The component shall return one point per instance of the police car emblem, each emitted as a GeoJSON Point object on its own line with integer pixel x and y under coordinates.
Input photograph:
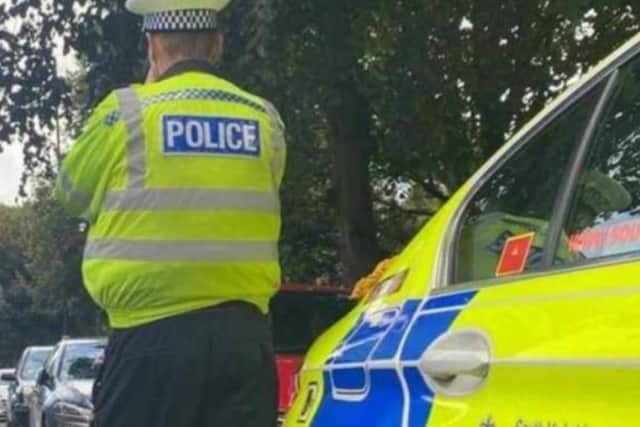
{"type": "Point", "coordinates": [196, 135]}
{"type": "Point", "coordinates": [488, 422]}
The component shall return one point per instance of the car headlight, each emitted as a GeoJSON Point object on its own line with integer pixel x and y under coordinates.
{"type": "Point", "coordinates": [70, 414]}
{"type": "Point", "coordinates": [309, 401]}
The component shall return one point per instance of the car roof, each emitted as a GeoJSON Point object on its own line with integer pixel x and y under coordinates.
{"type": "Point", "coordinates": [83, 340]}
{"type": "Point", "coordinates": [39, 348]}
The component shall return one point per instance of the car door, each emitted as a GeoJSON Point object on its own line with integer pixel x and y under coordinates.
{"type": "Point", "coordinates": [42, 391]}
{"type": "Point", "coordinates": [14, 387]}
{"type": "Point", "coordinates": [537, 307]}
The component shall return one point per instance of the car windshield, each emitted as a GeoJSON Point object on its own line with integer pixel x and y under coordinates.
{"type": "Point", "coordinates": [33, 363]}
{"type": "Point", "coordinates": [298, 318]}
{"type": "Point", "coordinates": [79, 361]}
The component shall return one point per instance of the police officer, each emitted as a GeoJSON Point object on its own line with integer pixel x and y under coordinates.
{"type": "Point", "coordinates": [179, 179]}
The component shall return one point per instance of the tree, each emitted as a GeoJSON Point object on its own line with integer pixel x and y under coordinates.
{"type": "Point", "coordinates": [41, 292]}
{"type": "Point", "coordinates": [412, 96]}
{"type": "Point", "coordinates": [53, 245]}
{"type": "Point", "coordinates": [390, 105]}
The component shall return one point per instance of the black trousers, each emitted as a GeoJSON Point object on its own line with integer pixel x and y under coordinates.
{"type": "Point", "coordinates": [209, 368]}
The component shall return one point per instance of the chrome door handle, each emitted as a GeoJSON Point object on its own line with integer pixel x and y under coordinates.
{"type": "Point", "coordinates": [446, 364]}
{"type": "Point", "coordinates": [457, 363]}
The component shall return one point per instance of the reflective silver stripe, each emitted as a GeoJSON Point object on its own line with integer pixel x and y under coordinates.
{"type": "Point", "coordinates": [190, 199]}
{"type": "Point", "coordinates": [277, 166]}
{"type": "Point", "coordinates": [131, 110]}
{"type": "Point", "coordinates": [77, 198]}
{"type": "Point", "coordinates": [278, 141]}
{"type": "Point", "coordinates": [277, 127]}
{"type": "Point", "coordinates": [192, 94]}
{"type": "Point", "coordinates": [188, 251]}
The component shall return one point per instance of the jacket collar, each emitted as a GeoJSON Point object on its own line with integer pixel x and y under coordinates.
{"type": "Point", "coordinates": [187, 65]}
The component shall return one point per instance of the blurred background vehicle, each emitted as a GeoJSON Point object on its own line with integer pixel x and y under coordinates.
{"type": "Point", "coordinates": [299, 314]}
{"type": "Point", "coordinates": [22, 382]}
{"type": "Point", "coordinates": [62, 396]}
{"type": "Point", "coordinates": [9, 374]}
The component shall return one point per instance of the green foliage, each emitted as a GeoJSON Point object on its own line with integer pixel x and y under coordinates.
{"type": "Point", "coordinates": [444, 84]}
{"type": "Point", "coordinates": [41, 291]}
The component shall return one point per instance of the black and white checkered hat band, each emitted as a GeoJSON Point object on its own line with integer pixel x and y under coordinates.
{"type": "Point", "coordinates": [181, 20]}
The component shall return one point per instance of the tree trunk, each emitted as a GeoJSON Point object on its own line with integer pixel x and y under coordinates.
{"type": "Point", "coordinates": [352, 146]}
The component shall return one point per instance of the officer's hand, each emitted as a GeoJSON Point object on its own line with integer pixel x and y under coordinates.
{"type": "Point", "coordinates": [151, 75]}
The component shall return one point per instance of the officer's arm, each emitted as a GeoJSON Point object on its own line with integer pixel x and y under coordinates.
{"type": "Point", "coordinates": [278, 141]}
{"type": "Point", "coordinates": [85, 168]}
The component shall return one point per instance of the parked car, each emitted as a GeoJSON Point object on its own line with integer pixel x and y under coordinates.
{"type": "Point", "coordinates": [6, 377]}
{"type": "Point", "coordinates": [22, 384]}
{"type": "Point", "coordinates": [62, 397]}
{"type": "Point", "coordinates": [299, 314]}
{"type": "Point", "coordinates": [517, 304]}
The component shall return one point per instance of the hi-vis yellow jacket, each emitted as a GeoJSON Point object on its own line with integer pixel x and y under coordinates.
{"type": "Point", "coordinates": [179, 180]}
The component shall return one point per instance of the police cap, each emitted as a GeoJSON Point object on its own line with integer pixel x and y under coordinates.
{"type": "Point", "coordinates": [177, 15]}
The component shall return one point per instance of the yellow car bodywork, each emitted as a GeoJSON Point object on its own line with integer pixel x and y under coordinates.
{"type": "Point", "coordinates": [565, 343]}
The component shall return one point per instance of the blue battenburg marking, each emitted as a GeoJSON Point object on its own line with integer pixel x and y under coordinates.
{"type": "Point", "coordinates": [358, 353]}
{"type": "Point", "coordinates": [452, 300]}
{"type": "Point", "coordinates": [367, 334]}
{"type": "Point", "coordinates": [420, 398]}
{"type": "Point", "coordinates": [382, 404]}
{"type": "Point", "coordinates": [374, 325]}
{"type": "Point", "coordinates": [391, 341]}
{"type": "Point", "coordinates": [381, 408]}
{"type": "Point", "coordinates": [211, 136]}
{"type": "Point", "coordinates": [425, 330]}
{"type": "Point", "coordinates": [349, 379]}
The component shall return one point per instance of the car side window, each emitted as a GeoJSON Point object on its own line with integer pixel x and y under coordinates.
{"type": "Point", "coordinates": [604, 219]}
{"type": "Point", "coordinates": [504, 228]}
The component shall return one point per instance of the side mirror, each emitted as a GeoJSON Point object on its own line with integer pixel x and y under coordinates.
{"type": "Point", "coordinates": [43, 378]}
{"type": "Point", "coordinates": [9, 377]}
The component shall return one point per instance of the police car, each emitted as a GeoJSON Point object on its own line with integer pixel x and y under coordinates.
{"type": "Point", "coordinates": [518, 304]}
